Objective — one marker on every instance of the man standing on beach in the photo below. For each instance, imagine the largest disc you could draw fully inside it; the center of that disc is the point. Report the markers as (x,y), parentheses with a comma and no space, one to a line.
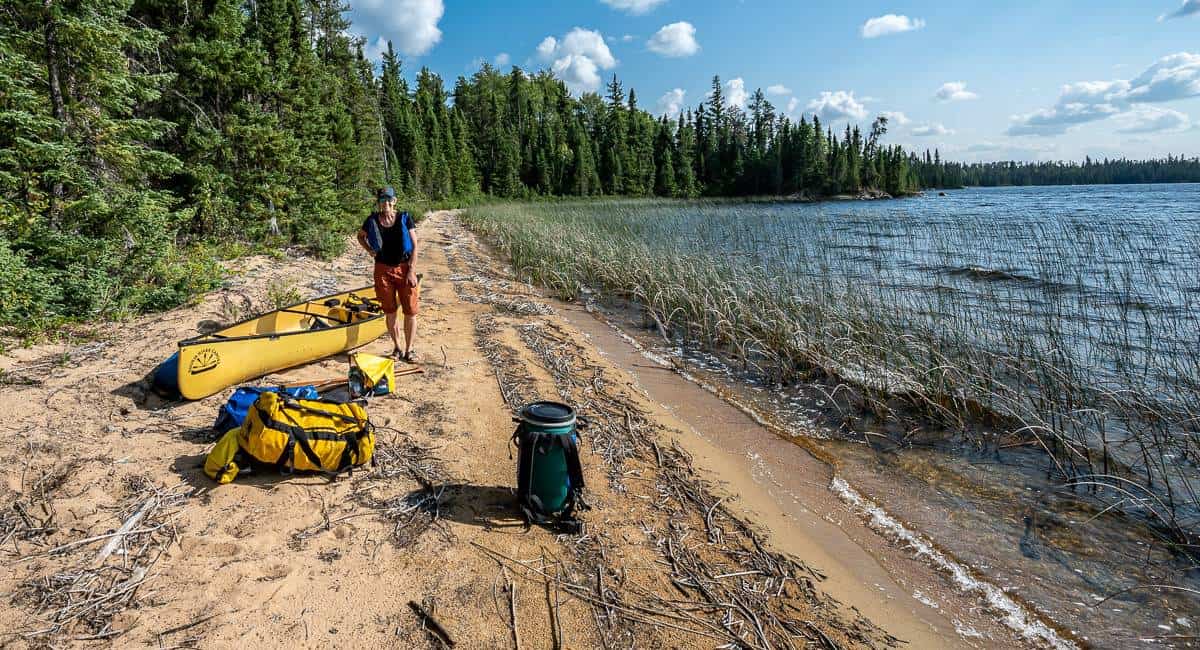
(390,239)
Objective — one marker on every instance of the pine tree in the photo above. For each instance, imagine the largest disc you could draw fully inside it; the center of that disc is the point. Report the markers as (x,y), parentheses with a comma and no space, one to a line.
(664,161)
(614,141)
(81,172)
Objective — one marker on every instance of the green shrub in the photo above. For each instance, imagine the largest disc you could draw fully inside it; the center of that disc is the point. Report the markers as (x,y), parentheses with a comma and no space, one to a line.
(25,293)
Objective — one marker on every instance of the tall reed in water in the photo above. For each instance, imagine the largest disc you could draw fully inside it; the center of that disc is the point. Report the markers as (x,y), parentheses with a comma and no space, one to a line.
(1090,351)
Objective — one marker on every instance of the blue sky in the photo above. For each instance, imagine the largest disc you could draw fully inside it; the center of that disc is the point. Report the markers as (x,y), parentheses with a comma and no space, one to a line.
(1056,79)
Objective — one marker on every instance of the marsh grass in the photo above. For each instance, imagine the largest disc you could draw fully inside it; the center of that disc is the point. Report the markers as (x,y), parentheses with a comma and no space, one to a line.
(1081,341)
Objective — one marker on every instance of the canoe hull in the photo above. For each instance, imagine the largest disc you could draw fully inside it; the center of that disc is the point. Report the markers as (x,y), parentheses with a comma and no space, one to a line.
(272,342)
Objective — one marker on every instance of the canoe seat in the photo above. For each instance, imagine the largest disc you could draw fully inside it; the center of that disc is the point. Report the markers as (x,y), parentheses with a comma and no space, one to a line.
(345,321)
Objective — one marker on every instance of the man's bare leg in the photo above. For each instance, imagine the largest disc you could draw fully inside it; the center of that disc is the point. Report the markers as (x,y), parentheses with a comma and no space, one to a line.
(393,326)
(410,330)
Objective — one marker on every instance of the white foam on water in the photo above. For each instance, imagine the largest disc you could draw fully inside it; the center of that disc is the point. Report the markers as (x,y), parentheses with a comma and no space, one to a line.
(1010,611)
(926,600)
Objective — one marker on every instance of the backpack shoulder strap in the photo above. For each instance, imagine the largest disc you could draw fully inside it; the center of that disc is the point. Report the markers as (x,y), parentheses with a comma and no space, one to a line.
(574,472)
(525,447)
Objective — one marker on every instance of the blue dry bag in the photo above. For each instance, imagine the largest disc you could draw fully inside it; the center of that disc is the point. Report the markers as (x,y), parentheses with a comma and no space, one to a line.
(233,413)
(166,377)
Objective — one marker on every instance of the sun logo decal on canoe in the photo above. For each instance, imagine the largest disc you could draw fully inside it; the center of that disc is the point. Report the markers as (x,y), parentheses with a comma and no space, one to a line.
(205,360)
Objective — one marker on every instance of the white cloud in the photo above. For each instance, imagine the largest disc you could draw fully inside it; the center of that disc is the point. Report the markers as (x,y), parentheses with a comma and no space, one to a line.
(1189,8)
(546,48)
(1056,121)
(671,103)
(578,58)
(778,89)
(674,40)
(1171,78)
(634,7)
(412,25)
(374,50)
(628,38)
(792,105)
(994,151)
(1093,92)
(981,147)
(735,93)
(502,60)
(838,105)
(1152,119)
(896,117)
(890,24)
(954,91)
(930,130)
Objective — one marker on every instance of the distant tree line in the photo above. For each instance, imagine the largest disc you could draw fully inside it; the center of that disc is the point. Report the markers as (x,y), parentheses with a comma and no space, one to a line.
(140,140)
(521,135)
(934,172)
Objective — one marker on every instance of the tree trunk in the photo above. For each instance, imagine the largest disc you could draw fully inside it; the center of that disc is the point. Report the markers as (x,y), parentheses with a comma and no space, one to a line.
(57,104)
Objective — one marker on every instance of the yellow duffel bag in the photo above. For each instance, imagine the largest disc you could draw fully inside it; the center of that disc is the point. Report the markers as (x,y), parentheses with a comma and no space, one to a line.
(295,435)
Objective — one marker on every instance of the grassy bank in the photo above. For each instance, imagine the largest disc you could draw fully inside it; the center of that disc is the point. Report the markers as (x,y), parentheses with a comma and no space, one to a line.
(1116,412)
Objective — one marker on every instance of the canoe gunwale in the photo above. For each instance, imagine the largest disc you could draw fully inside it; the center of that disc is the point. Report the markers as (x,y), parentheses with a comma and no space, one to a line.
(211,339)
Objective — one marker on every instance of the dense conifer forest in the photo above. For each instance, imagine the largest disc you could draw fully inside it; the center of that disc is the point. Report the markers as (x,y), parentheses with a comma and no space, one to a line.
(141,140)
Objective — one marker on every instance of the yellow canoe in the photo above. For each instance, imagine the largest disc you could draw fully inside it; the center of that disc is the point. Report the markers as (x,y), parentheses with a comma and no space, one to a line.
(281,339)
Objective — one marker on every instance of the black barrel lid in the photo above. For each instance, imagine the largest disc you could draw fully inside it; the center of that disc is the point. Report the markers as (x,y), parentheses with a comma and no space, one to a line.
(548,413)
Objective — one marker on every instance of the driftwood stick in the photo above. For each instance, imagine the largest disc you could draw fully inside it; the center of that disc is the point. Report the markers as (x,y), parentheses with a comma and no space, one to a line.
(313,382)
(512,607)
(431,624)
(118,536)
(500,383)
(550,598)
(89,540)
(185,626)
(629,610)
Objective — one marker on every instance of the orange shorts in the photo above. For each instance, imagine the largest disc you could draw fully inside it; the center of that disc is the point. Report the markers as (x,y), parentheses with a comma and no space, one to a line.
(392,290)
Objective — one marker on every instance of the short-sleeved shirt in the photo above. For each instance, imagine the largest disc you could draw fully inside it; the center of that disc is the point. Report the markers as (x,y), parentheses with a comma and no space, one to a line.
(396,241)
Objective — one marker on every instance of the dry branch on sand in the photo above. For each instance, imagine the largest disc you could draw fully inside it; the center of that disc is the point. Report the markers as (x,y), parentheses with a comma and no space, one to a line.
(81,600)
(413,513)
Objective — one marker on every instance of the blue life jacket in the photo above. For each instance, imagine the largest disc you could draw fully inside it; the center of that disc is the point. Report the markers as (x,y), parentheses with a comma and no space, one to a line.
(375,238)
(404,221)
(233,413)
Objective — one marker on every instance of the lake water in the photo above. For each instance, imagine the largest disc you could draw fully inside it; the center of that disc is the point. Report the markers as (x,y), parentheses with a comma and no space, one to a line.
(1103,279)
(1111,273)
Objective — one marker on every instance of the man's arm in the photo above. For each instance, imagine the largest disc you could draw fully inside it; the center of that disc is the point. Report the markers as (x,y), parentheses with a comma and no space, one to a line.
(362,241)
(412,259)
